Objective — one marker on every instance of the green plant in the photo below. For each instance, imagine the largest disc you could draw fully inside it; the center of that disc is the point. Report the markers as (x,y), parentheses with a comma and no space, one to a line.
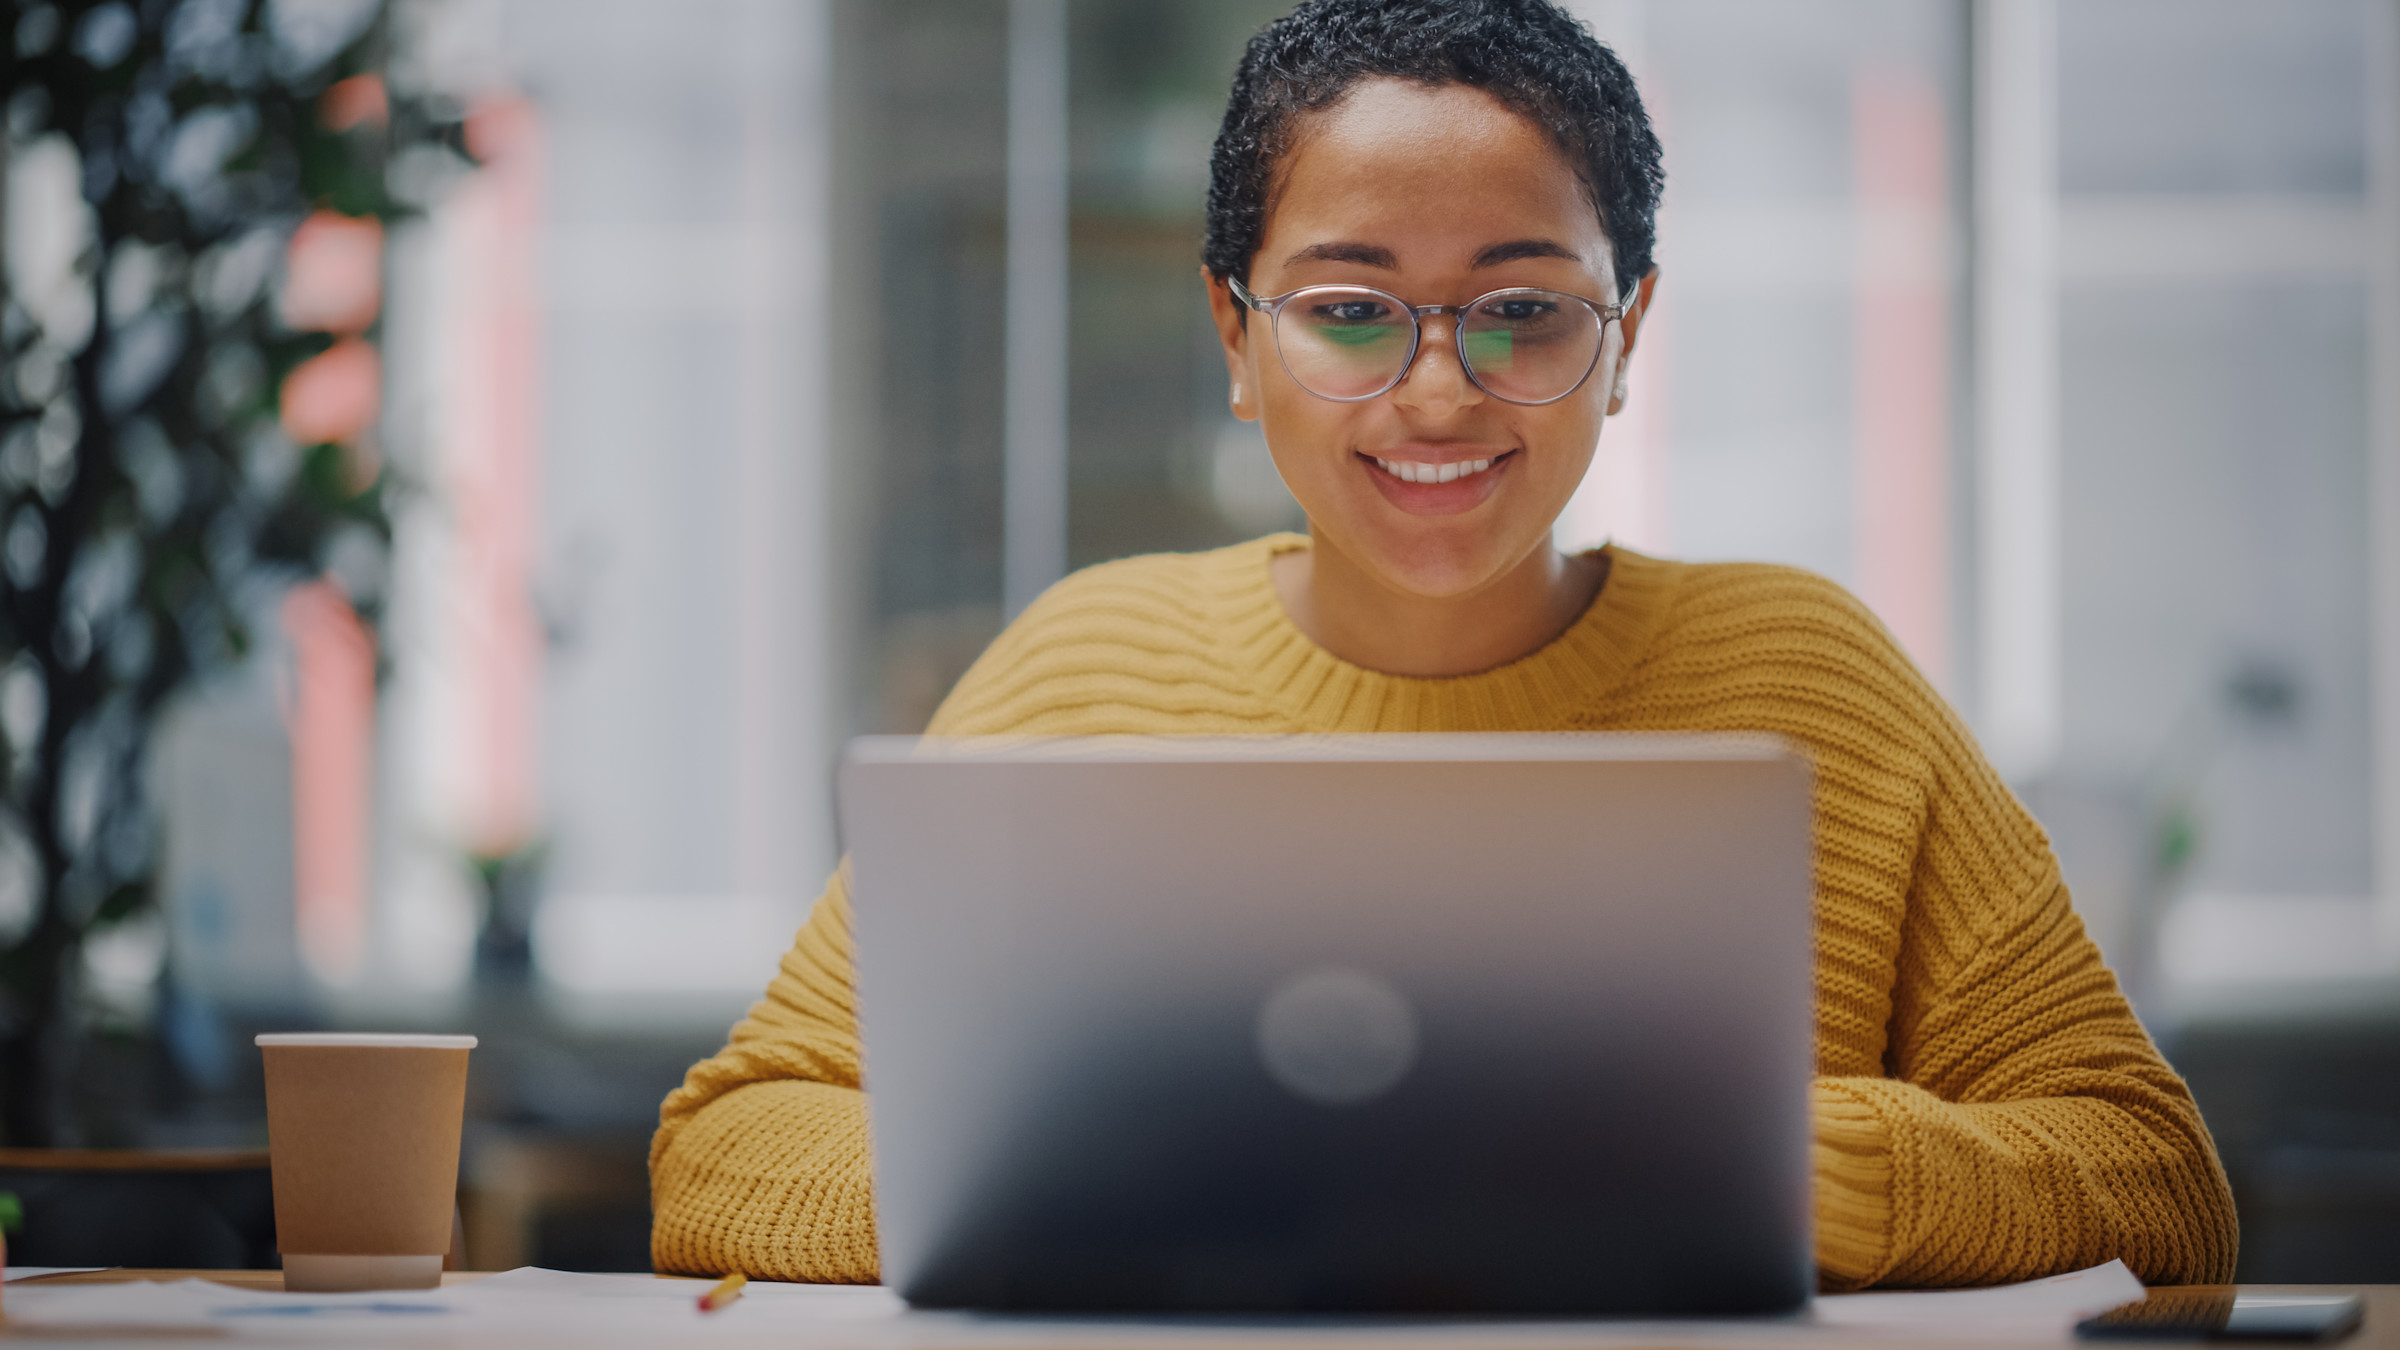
(150,501)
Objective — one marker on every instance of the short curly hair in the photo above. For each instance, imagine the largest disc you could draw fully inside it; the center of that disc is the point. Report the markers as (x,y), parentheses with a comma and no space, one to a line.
(1529,54)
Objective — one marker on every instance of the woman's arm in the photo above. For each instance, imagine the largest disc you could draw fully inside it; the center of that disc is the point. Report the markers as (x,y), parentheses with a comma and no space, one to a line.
(760,1163)
(1988,1109)
(2027,1127)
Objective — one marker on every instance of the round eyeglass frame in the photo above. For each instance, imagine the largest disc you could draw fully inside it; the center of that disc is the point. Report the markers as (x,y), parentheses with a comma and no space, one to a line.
(1272,307)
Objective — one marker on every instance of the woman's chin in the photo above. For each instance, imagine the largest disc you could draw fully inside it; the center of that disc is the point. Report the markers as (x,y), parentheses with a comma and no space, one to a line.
(1429,557)
(1436,569)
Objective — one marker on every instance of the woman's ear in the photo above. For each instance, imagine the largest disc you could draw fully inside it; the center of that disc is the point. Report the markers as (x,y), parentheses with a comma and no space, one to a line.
(1631,325)
(1233,330)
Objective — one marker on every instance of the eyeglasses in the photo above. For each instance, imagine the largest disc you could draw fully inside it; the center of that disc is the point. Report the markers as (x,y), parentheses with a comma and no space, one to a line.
(1353,343)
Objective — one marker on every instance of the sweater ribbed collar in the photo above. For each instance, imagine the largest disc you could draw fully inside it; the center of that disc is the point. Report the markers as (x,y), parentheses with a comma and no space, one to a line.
(1540,691)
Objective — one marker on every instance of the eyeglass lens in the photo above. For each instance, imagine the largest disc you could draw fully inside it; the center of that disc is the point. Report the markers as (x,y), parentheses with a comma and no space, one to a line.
(1526,346)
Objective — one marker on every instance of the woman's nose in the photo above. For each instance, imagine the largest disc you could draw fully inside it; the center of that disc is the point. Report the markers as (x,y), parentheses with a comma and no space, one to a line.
(1435,383)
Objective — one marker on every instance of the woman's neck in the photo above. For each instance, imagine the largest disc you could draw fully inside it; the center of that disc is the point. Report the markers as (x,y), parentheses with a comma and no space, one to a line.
(1349,613)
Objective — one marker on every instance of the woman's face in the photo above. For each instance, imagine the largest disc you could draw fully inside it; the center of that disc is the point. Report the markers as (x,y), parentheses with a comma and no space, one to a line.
(1436,195)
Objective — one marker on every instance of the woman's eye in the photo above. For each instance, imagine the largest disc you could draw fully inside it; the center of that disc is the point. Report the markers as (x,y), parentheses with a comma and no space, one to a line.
(1520,310)
(1352,311)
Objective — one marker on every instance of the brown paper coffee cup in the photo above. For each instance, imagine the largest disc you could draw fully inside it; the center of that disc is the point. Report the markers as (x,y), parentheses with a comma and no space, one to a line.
(362,1141)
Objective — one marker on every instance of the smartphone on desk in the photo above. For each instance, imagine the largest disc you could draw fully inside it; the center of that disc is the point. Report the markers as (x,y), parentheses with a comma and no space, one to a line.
(2225,1313)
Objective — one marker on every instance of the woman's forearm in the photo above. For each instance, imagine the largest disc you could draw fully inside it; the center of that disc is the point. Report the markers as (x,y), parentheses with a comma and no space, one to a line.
(771,1180)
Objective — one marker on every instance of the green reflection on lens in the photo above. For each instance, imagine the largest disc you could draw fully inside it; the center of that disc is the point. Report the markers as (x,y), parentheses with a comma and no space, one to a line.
(1355,334)
(1490,349)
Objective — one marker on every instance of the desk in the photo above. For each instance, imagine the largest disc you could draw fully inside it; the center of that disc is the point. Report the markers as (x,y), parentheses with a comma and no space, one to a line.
(955,1332)
(271,1280)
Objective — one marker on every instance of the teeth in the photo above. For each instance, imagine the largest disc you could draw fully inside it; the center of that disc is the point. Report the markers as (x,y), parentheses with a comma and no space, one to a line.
(1410,471)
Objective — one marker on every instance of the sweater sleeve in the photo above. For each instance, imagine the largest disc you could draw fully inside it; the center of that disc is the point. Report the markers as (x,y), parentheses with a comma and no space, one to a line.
(2027,1126)
(1988,1109)
(760,1163)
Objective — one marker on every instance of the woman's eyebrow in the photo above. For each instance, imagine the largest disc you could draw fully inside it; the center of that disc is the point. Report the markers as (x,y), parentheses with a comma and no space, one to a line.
(1369,255)
(1523,248)
(1375,255)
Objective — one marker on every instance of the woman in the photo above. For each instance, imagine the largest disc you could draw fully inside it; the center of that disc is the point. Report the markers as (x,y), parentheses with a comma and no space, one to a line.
(1428,256)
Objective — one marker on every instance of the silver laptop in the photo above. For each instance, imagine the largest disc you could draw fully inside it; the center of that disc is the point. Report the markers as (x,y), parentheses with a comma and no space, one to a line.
(1467,1024)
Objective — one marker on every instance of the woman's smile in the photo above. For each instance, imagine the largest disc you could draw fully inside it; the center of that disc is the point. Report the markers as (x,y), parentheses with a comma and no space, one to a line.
(1437,481)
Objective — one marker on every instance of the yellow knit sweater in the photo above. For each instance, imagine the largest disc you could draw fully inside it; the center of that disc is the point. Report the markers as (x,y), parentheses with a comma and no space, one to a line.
(1987,1108)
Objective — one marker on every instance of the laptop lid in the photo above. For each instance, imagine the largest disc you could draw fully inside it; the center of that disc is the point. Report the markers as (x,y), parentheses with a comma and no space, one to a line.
(1492,1024)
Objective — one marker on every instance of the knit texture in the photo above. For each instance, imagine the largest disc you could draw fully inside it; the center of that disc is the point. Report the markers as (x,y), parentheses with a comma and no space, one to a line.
(1987,1108)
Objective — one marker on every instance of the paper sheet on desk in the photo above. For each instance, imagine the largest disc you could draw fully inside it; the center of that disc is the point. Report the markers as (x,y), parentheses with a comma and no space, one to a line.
(525,1300)
(544,1307)
(186,1305)
(552,1297)
(2045,1308)
(829,1316)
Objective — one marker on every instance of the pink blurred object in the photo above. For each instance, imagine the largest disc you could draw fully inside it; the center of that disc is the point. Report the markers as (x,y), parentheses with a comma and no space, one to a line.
(1901,361)
(504,131)
(490,442)
(355,101)
(332,720)
(334,395)
(333,274)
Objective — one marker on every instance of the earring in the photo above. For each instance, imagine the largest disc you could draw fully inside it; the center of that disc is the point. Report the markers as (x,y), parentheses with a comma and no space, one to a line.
(1619,395)
(1237,391)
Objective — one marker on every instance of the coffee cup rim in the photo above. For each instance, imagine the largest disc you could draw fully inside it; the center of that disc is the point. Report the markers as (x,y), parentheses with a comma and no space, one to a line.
(403,1040)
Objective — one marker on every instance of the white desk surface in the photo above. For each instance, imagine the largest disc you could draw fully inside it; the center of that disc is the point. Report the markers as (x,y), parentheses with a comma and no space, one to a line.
(600,1313)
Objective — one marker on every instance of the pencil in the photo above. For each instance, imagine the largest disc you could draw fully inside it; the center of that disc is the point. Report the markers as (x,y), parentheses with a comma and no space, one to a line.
(727,1290)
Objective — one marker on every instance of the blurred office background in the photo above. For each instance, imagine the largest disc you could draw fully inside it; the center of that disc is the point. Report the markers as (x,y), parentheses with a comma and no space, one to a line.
(764,355)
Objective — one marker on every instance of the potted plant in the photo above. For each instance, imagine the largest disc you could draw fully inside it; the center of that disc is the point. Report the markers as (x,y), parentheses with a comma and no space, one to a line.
(175,443)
